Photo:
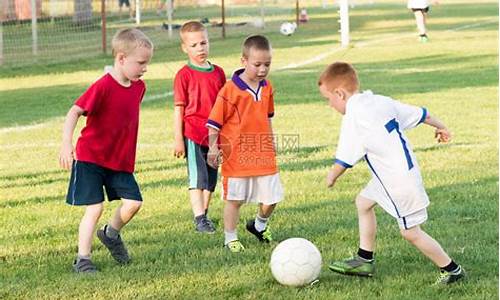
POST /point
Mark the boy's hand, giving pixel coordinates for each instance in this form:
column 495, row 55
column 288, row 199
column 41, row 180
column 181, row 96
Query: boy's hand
column 179, row 149
column 213, row 157
column 330, row 178
column 442, row 135
column 66, row 156
column 335, row 172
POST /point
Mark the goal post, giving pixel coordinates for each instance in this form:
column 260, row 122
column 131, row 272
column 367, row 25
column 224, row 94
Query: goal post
column 344, row 22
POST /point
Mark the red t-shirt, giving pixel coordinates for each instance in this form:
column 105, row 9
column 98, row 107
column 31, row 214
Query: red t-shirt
column 196, row 89
column 109, row 138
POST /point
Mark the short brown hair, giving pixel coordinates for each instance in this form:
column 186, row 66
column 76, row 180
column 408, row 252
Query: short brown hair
column 340, row 74
column 128, row 39
column 258, row 42
column 191, row 26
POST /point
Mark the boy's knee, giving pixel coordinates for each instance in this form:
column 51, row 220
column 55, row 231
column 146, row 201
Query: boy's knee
column 268, row 206
column 238, row 203
column 234, row 203
column 95, row 210
column 410, row 235
column 364, row 204
column 132, row 206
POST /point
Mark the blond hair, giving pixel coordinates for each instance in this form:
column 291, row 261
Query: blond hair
column 258, row 42
column 127, row 40
column 191, row 26
column 340, row 74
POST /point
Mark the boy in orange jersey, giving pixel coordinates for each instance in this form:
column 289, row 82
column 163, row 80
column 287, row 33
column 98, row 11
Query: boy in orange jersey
column 241, row 122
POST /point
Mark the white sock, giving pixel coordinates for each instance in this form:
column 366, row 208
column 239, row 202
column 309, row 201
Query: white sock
column 260, row 223
column 230, row 236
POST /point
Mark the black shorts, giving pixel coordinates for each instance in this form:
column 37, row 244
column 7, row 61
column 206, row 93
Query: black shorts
column 425, row 10
column 88, row 179
column 122, row 2
column 200, row 175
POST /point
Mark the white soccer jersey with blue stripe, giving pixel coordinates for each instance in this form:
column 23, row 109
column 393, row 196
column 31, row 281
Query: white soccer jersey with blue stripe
column 373, row 128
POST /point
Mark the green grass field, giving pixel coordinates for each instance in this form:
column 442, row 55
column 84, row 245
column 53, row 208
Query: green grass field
column 455, row 76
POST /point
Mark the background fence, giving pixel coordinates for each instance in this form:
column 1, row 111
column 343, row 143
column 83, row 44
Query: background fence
column 51, row 31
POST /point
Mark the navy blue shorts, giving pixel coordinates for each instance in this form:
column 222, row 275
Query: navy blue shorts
column 200, row 175
column 88, row 179
column 123, row 2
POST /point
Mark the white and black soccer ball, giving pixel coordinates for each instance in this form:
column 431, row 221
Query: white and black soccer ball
column 288, row 28
column 295, row 262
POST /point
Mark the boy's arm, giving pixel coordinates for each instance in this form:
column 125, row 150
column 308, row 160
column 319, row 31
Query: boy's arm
column 442, row 133
column 213, row 148
column 335, row 172
column 179, row 149
column 67, row 153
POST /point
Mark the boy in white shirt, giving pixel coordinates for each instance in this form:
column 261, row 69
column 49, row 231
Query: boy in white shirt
column 372, row 128
column 420, row 9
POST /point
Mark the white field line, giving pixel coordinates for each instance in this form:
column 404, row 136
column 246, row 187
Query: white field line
column 314, row 59
column 22, row 128
column 157, row 96
column 324, row 55
column 311, row 60
column 473, row 25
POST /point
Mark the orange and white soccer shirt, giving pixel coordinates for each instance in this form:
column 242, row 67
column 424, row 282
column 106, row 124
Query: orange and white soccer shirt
column 242, row 116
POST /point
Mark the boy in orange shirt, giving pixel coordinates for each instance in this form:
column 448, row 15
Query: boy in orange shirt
column 241, row 121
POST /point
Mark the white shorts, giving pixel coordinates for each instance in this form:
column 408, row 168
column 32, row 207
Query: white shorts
column 416, row 218
column 375, row 192
column 265, row 189
column 417, row 4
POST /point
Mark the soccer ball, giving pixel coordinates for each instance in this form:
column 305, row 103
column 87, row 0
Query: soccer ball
column 295, row 262
column 288, row 28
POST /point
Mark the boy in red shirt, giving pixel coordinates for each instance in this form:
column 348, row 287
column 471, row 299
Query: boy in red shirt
column 195, row 89
column 241, row 118
column 105, row 151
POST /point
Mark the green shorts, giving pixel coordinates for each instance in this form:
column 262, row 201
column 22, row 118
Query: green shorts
column 200, row 174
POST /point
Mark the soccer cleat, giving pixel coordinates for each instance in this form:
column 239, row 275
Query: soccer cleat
column 450, row 277
column 234, row 246
column 354, row 266
column 204, row 225
column 264, row 236
column 424, row 39
column 115, row 247
column 84, row 266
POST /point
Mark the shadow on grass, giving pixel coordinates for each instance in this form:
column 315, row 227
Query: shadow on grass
column 32, row 201
column 32, row 175
column 178, row 181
